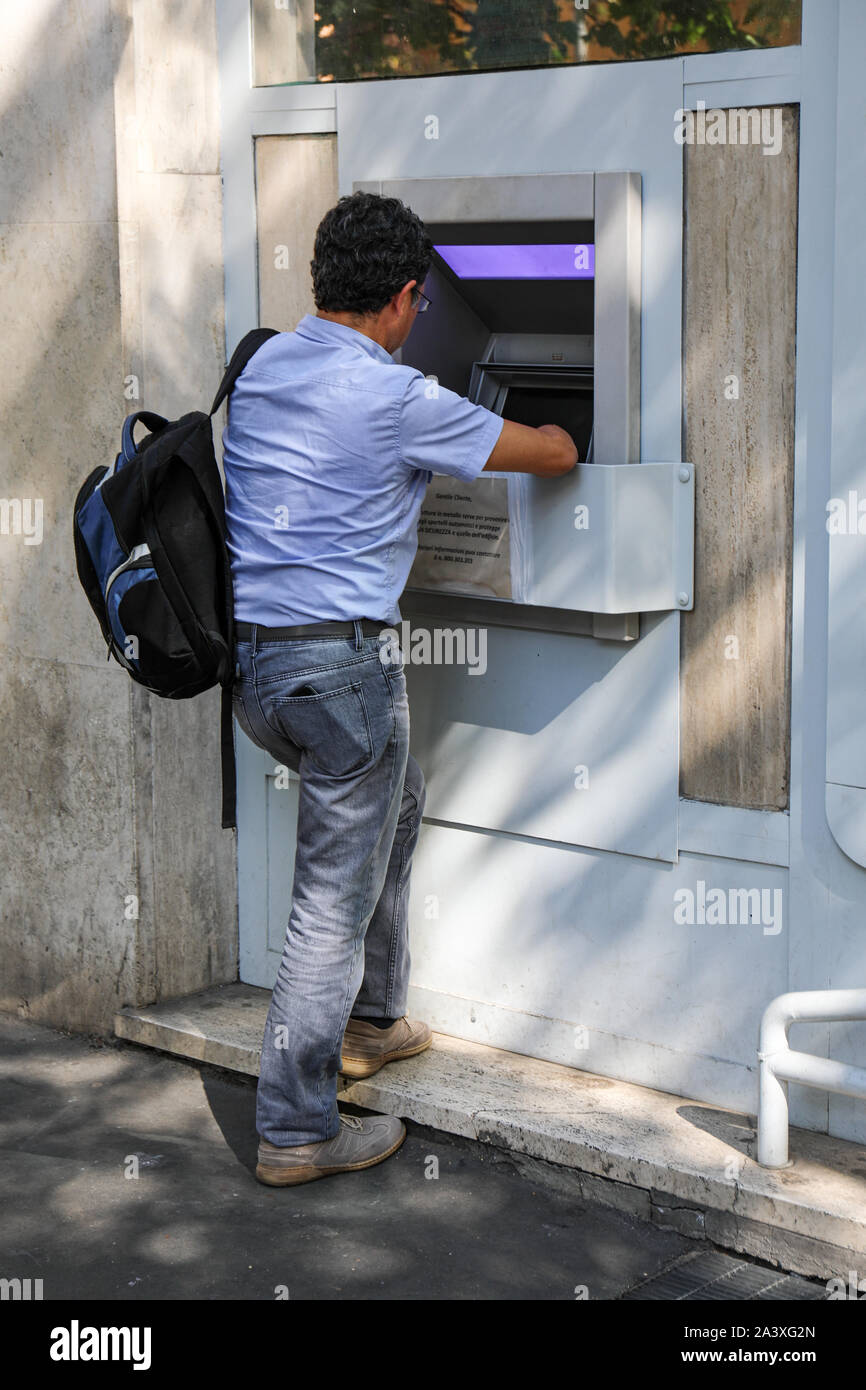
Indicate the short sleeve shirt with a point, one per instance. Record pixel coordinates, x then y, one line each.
328 452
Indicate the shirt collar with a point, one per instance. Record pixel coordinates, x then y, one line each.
327 331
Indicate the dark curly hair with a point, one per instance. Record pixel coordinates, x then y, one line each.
367 248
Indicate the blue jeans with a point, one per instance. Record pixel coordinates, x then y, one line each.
335 711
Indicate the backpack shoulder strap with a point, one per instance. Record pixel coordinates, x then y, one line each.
246 348
228 761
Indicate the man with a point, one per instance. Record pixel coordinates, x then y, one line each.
328 452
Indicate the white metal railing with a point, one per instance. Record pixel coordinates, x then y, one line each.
779 1063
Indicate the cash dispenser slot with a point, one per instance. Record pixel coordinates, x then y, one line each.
532 393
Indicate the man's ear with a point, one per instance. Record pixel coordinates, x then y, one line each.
408 290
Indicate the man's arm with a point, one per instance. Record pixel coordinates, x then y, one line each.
443 432
547 451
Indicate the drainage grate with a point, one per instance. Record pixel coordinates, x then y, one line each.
714 1276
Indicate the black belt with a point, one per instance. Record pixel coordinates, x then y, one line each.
244 631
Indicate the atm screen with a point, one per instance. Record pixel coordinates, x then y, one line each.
571 410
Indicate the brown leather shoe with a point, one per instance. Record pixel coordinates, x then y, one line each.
367 1048
362 1141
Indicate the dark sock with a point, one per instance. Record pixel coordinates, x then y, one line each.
378 1022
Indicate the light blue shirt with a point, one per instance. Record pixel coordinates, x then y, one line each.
328 451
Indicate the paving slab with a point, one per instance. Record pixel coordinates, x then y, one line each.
686 1165
127 1174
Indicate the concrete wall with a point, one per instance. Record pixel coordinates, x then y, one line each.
111 263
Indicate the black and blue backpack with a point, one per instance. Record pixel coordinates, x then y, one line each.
150 548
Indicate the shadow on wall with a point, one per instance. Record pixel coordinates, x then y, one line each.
109 798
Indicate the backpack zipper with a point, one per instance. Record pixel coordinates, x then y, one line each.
132 561
138 558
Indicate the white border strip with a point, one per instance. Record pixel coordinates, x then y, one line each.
748 93
730 832
751 64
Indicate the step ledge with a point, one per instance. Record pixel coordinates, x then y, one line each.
684 1153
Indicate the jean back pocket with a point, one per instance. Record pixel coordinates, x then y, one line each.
333 727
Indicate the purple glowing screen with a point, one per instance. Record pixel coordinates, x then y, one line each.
555 261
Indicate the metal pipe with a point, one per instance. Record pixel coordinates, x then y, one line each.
778 1064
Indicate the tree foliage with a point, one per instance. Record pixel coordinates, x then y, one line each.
656 30
369 38
366 38
503 35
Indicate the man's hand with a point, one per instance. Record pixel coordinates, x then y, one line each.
547 451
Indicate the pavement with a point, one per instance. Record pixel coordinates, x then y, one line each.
128 1174
685 1165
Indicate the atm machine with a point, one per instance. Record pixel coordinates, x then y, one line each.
530 288
514 293
536 314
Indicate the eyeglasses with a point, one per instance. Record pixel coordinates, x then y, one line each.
422 308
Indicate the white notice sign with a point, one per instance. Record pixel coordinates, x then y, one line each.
464 542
